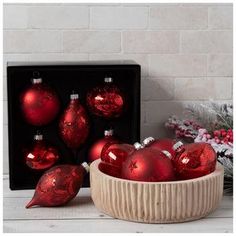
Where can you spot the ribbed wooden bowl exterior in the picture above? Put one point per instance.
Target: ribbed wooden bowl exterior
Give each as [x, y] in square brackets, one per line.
[159, 202]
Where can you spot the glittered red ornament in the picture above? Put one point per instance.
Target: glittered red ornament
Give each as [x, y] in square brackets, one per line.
[41, 155]
[39, 103]
[161, 144]
[116, 153]
[106, 101]
[96, 149]
[58, 185]
[149, 165]
[74, 124]
[194, 160]
[110, 169]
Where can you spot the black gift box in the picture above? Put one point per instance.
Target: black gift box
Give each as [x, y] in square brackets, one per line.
[64, 78]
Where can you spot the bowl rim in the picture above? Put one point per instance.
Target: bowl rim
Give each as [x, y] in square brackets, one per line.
[218, 171]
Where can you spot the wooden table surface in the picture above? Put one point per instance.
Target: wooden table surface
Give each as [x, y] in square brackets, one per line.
[80, 215]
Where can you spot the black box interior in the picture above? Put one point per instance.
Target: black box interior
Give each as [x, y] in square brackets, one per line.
[64, 78]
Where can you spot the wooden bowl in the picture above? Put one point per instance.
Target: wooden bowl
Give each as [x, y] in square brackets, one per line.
[156, 202]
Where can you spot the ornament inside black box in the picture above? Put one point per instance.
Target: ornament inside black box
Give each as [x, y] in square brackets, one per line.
[58, 113]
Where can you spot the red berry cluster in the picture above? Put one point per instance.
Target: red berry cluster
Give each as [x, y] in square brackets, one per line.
[187, 129]
[183, 128]
[223, 136]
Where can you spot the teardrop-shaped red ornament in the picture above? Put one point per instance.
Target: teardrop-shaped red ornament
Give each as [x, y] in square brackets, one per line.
[107, 100]
[59, 185]
[74, 123]
[41, 155]
[39, 103]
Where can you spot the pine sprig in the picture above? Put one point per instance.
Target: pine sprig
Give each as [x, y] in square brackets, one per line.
[212, 115]
[216, 119]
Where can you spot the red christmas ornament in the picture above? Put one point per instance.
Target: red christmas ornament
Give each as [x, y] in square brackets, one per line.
[161, 144]
[41, 156]
[149, 165]
[106, 101]
[59, 185]
[116, 153]
[39, 103]
[96, 149]
[74, 123]
[194, 160]
[110, 169]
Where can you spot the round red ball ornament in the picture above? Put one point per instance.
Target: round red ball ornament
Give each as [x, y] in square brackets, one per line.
[96, 149]
[148, 165]
[116, 153]
[41, 156]
[39, 103]
[74, 123]
[111, 170]
[107, 100]
[161, 144]
[194, 160]
[58, 185]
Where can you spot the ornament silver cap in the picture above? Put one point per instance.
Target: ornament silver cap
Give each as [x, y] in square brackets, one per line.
[108, 80]
[86, 166]
[38, 137]
[147, 141]
[166, 153]
[37, 80]
[138, 145]
[177, 145]
[108, 132]
[74, 96]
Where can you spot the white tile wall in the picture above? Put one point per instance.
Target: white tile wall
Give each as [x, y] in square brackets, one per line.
[203, 88]
[221, 17]
[92, 41]
[207, 41]
[5, 149]
[119, 17]
[141, 59]
[177, 65]
[157, 88]
[15, 16]
[185, 50]
[57, 17]
[32, 41]
[220, 65]
[151, 42]
[179, 18]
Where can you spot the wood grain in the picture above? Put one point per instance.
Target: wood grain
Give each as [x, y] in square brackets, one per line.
[219, 225]
[80, 215]
[159, 202]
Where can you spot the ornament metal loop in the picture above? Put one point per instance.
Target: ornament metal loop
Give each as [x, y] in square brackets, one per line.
[138, 145]
[166, 153]
[74, 96]
[177, 145]
[36, 78]
[108, 80]
[86, 166]
[109, 132]
[38, 136]
[148, 140]
[37, 81]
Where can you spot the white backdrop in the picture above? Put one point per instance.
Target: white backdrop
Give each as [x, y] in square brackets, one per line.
[185, 50]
